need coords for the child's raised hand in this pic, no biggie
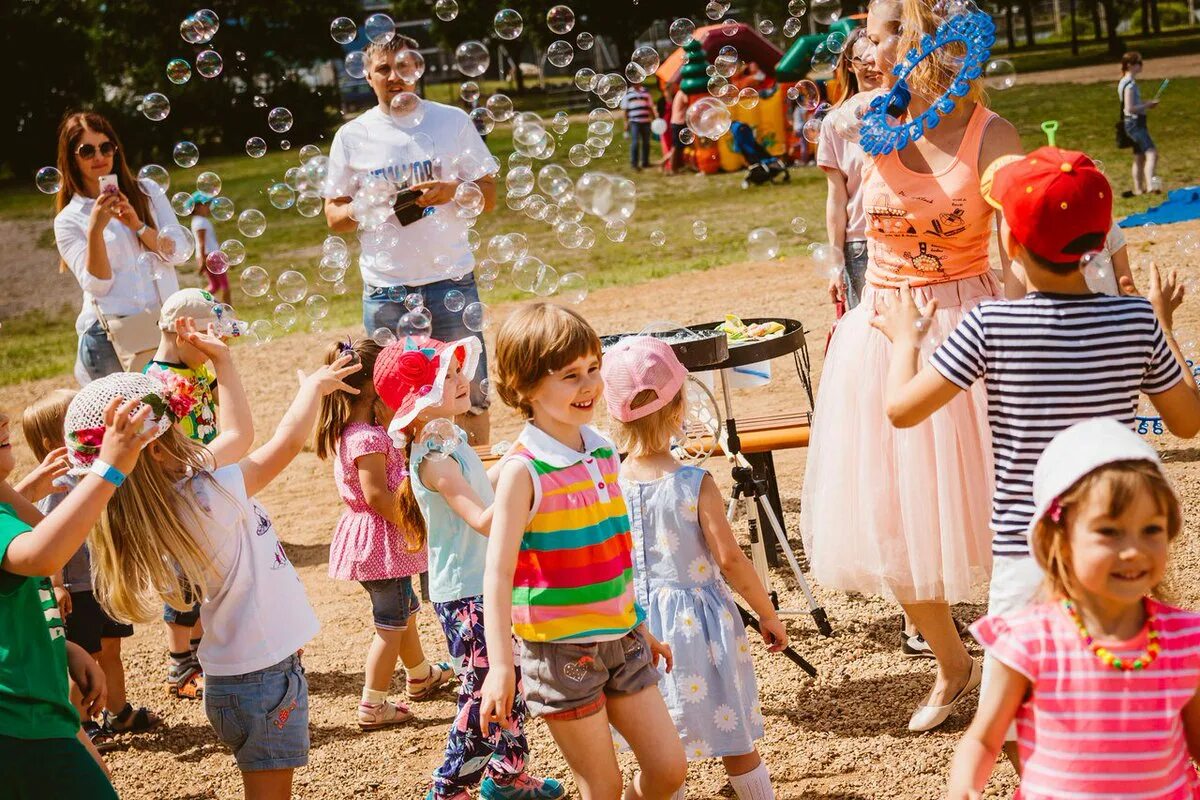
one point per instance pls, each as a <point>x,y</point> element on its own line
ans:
<point>773,633</point>
<point>902,322</point>
<point>1166,295</point>
<point>125,433</point>
<point>39,482</point>
<point>328,379</point>
<point>496,698</point>
<point>208,342</point>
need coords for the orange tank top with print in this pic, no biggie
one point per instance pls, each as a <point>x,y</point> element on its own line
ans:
<point>926,228</point>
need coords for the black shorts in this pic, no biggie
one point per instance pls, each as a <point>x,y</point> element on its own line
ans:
<point>88,623</point>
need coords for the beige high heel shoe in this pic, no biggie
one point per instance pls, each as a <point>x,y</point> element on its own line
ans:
<point>926,718</point>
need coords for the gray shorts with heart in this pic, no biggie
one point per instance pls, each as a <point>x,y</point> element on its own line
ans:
<point>568,680</point>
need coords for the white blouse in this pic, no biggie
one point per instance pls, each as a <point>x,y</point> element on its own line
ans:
<point>131,289</point>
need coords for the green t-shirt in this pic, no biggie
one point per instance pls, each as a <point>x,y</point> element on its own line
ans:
<point>34,699</point>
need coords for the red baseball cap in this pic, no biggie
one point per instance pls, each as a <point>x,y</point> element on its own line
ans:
<point>1051,199</point>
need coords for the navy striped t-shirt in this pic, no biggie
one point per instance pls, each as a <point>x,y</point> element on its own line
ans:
<point>637,104</point>
<point>1049,361</point>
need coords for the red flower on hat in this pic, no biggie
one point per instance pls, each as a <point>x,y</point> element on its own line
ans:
<point>90,437</point>
<point>415,370</point>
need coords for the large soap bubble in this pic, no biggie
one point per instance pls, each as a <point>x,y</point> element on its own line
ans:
<point>560,19</point>
<point>709,117</point>
<point>343,30</point>
<point>508,23</point>
<point>472,58</point>
<point>48,180</point>
<point>175,244</point>
<point>380,28</point>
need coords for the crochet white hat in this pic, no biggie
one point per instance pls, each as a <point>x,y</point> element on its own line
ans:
<point>84,425</point>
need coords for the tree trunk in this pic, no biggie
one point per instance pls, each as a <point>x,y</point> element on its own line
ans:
<point>1110,25</point>
<point>1145,17</point>
<point>1009,31</point>
<point>1027,16</point>
<point>1154,21</point>
<point>1097,25</point>
<point>1074,31</point>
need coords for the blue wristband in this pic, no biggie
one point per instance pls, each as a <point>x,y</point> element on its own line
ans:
<point>108,472</point>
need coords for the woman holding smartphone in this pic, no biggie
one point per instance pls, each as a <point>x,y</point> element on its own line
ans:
<point>105,221</point>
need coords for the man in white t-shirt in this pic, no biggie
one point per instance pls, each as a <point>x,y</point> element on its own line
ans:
<point>428,148</point>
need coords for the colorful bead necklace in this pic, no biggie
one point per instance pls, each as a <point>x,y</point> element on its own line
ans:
<point>1105,655</point>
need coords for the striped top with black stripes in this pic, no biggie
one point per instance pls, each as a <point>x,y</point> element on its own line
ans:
<point>1049,361</point>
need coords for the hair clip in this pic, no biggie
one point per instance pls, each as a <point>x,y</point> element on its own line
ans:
<point>1055,511</point>
<point>346,346</point>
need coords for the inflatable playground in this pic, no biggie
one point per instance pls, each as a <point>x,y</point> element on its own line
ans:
<point>766,133</point>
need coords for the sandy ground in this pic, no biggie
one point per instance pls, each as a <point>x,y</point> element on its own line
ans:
<point>1185,66</point>
<point>841,735</point>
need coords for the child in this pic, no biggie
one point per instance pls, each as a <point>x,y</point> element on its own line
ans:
<point>1101,678</point>
<point>1058,356</point>
<point>185,525</point>
<point>680,537</point>
<point>40,754</point>
<point>86,623</point>
<point>367,546</point>
<point>186,372</point>
<point>206,242</point>
<point>559,569</point>
<point>445,502</point>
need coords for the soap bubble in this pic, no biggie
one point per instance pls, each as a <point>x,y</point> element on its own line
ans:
<point>762,244</point>
<point>308,152</point>
<point>216,262</point>
<point>154,174</point>
<point>658,238</point>
<point>256,147</point>
<point>682,31</point>
<point>606,196</point>
<point>410,64</point>
<point>199,27</point>
<point>156,106</point>
<point>748,97</point>
<point>797,7</point>
<point>472,58</point>
<point>221,209</point>
<point>560,19</point>
<point>1000,74</point>
<point>475,317</point>
<point>823,63</point>
<point>469,91</point>
<point>766,27</point>
<point>252,223</point>
<point>812,129</point>
<point>262,332</point>
<point>285,316</point>
<point>560,53</point>
<point>468,198</point>
<point>791,27</point>
<point>709,118</point>
<point>519,181</point>
<point>483,120</point>
<point>291,285</point>
<point>383,336</point>
<point>645,57</point>
<point>186,154</point>
<point>356,64</point>
<point>700,230</point>
<point>561,122</point>
<point>573,287</point>
<point>554,180</point>
<point>835,42</point>
<point>546,281</point>
<point>281,196</point>
<point>208,183</point>
<point>414,300</point>
<point>316,307</point>
<point>175,244</point>
<point>234,250</point>
<point>716,9</point>
<point>279,119</point>
<point>826,12</point>
<point>440,438</point>
<point>181,203</point>
<point>380,28</point>
<point>407,110</point>
<point>446,10</point>
<point>418,322</point>
<point>799,226</point>
<point>179,71</point>
<point>501,107</point>
<point>729,27</point>
<point>508,23</point>
<point>455,301</point>
<point>687,136</point>
<point>585,40</point>
<point>343,30</point>
<point>634,74</point>
<point>806,94</point>
<point>209,64</point>
<point>49,180</point>
<point>616,230</point>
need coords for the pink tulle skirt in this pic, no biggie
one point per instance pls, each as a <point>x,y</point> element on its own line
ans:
<point>901,513</point>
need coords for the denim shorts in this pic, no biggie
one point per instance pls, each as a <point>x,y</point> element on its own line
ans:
<point>1136,129</point>
<point>96,353</point>
<point>187,619</point>
<point>383,306</point>
<point>856,271</point>
<point>393,601</point>
<point>261,716</point>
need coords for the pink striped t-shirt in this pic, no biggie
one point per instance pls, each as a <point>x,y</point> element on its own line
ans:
<point>1090,731</point>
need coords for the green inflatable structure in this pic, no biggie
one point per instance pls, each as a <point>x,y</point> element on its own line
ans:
<point>797,61</point>
<point>693,78</point>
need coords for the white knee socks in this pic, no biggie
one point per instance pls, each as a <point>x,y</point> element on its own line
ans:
<point>753,785</point>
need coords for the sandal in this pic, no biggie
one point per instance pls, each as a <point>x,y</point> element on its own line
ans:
<point>101,739</point>
<point>440,674</point>
<point>127,720</point>
<point>387,713</point>
<point>189,687</point>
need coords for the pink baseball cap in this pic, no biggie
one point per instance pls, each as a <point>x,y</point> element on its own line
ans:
<point>636,364</point>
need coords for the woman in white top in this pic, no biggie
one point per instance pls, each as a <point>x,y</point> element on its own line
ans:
<point>100,237</point>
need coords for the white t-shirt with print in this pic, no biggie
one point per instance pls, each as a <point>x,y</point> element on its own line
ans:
<point>210,239</point>
<point>374,144</point>
<point>257,612</point>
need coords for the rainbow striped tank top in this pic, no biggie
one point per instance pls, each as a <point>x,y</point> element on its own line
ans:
<point>574,575</point>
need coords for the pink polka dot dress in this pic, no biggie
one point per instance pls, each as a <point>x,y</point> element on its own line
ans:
<point>365,546</point>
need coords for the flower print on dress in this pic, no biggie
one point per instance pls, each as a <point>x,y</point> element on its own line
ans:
<point>667,541</point>
<point>700,570</point>
<point>725,718</point>
<point>743,648</point>
<point>689,626</point>
<point>696,749</point>
<point>693,688</point>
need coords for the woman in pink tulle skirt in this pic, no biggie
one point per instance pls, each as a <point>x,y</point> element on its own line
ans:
<point>904,513</point>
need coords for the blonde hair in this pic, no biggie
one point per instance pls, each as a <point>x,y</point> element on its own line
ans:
<point>145,549</point>
<point>538,338</point>
<point>934,74</point>
<point>336,407</point>
<point>1122,480</point>
<point>652,433</point>
<point>42,421</point>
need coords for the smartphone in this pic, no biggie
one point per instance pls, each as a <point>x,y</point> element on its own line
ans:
<point>406,208</point>
<point>109,185</point>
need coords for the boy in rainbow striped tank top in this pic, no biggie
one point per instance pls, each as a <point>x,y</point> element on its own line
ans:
<point>559,571</point>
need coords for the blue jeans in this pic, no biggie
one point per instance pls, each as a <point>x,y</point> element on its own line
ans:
<point>639,144</point>
<point>96,353</point>
<point>262,716</point>
<point>1136,129</point>
<point>393,601</point>
<point>856,271</point>
<point>383,306</point>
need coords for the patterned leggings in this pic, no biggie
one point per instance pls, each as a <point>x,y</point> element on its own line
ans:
<point>468,752</point>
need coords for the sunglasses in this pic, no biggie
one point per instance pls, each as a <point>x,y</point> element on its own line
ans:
<point>89,150</point>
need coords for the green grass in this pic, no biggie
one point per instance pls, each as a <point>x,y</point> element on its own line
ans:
<point>39,345</point>
<point>1056,54</point>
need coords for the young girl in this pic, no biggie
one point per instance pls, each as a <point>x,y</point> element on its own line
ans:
<point>86,623</point>
<point>367,545</point>
<point>184,525</point>
<point>680,538</point>
<point>1102,679</point>
<point>40,754</point>
<point>445,503</point>
<point>559,570</point>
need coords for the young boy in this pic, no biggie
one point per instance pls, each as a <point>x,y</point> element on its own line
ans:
<point>1057,356</point>
<point>185,368</point>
